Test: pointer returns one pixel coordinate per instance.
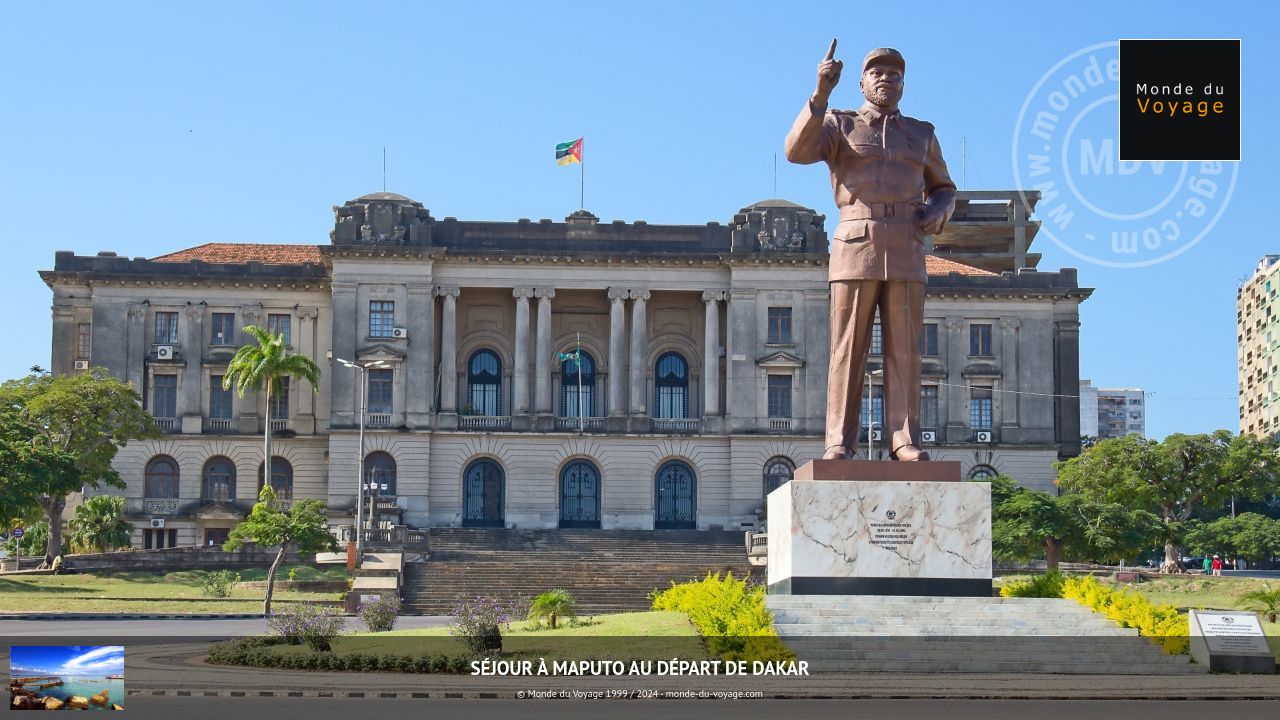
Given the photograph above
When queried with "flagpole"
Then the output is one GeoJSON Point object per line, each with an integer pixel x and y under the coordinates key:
{"type": "Point", "coordinates": [582, 183]}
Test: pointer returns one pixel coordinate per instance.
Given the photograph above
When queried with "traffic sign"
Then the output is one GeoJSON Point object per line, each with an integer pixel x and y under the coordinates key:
{"type": "Point", "coordinates": [18, 532]}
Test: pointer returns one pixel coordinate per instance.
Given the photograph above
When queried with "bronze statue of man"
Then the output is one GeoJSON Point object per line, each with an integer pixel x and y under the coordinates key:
{"type": "Point", "coordinates": [892, 187]}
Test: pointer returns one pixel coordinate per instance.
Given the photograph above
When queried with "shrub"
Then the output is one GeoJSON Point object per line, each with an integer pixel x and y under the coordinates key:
{"type": "Point", "coordinates": [1162, 623]}
{"type": "Point", "coordinates": [729, 614]}
{"type": "Point", "coordinates": [1048, 585]}
{"type": "Point", "coordinates": [1265, 601]}
{"type": "Point", "coordinates": [258, 652]}
{"type": "Point", "coordinates": [380, 615]}
{"type": "Point", "coordinates": [478, 623]}
{"type": "Point", "coordinates": [311, 624]}
{"type": "Point", "coordinates": [218, 584]}
{"type": "Point", "coordinates": [551, 605]}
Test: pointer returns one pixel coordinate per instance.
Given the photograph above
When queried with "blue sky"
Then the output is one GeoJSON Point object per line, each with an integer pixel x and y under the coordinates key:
{"type": "Point", "coordinates": [144, 128]}
{"type": "Point", "coordinates": [66, 660]}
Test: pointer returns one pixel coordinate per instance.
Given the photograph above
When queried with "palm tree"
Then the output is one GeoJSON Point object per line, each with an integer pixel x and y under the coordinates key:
{"type": "Point", "coordinates": [99, 525]}
{"type": "Point", "coordinates": [261, 366]}
{"type": "Point", "coordinates": [1265, 601]}
{"type": "Point", "coordinates": [553, 604]}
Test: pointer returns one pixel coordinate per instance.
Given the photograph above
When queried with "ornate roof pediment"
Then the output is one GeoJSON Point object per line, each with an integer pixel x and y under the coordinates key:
{"type": "Point", "coordinates": [380, 351]}
{"type": "Point", "coordinates": [216, 510]}
{"type": "Point", "coordinates": [780, 359]}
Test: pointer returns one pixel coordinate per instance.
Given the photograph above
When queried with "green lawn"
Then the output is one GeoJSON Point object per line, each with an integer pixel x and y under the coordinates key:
{"type": "Point", "coordinates": [639, 635]}
{"type": "Point", "coordinates": [141, 591]}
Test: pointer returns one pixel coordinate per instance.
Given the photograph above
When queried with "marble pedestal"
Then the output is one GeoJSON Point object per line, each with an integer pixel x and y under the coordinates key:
{"type": "Point", "coordinates": [922, 533]}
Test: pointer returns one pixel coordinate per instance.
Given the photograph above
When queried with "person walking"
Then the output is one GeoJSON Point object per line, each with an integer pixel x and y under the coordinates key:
{"type": "Point", "coordinates": [1208, 565]}
{"type": "Point", "coordinates": [1217, 565]}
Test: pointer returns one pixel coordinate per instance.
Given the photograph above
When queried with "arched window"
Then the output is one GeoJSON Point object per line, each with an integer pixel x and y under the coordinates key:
{"type": "Point", "coordinates": [571, 380]}
{"type": "Point", "coordinates": [482, 490]}
{"type": "Point", "coordinates": [672, 383]}
{"type": "Point", "coordinates": [380, 468]}
{"type": "Point", "coordinates": [484, 383]}
{"type": "Point", "coordinates": [281, 478]}
{"type": "Point", "coordinates": [219, 481]}
{"type": "Point", "coordinates": [982, 472]}
{"type": "Point", "coordinates": [675, 497]}
{"type": "Point", "coordinates": [580, 495]}
{"type": "Point", "coordinates": [778, 471]}
{"type": "Point", "coordinates": [161, 478]}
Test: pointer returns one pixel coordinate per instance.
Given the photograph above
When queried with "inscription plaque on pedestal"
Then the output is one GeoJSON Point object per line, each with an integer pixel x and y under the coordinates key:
{"type": "Point", "coordinates": [1230, 642]}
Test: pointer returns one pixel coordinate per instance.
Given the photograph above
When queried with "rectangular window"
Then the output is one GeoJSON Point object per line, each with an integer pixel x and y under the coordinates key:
{"type": "Point", "coordinates": [929, 340]}
{"type": "Point", "coordinates": [379, 391]}
{"type": "Point", "coordinates": [980, 408]}
{"type": "Point", "coordinates": [873, 407]}
{"type": "Point", "coordinates": [877, 339]}
{"type": "Point", "coordinates": [980, 339]}
{"type": "Point", "coordinates": [166, 328]}
{"type": "Point", "coordinates": [219, 399]}
{"type": "Point", "coordinates": [280, 399]}
{"type": "Point", "coordinates": [84, 334]}
{"type": "Point", "coordinates": [164, 396]}
{"type": "Point", "coordinates": [279, 324]}
{"type": "Point", "coordinates": [224, 329]}
{"type": "Point", "coordinates": [928, 406]}
{"type": "Point", "coordinates": [779, 326]}
{"type": "Point", "coordinates": [779, 396]}
{"type": "Point", "coordinates": [381, 317]}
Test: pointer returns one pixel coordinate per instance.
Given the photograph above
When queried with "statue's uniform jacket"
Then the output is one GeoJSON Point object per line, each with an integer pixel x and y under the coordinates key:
{"type": "Point", "coordinates": [882, 167]}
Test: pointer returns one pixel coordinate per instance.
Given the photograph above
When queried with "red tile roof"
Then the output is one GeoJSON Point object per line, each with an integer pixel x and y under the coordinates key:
{"type": "Point", "coordinates": [266, 253]}
{"type": "Point", "coordinates": [934, 265]}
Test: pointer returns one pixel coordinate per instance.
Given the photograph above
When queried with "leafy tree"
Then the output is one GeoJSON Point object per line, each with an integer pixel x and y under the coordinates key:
{"type": "Point", "coordinates": [261, 366]}
{"type": "Point", "coordinates": [99, 525]}
{"type": "Point", "coordinates": [1027, 523]}
{"type": "Point", "coordinates": [303, 526]}
{"type": "Point", "coordinates": [76, 424]}
{"type": "Point", "coordinates": [1254, 537]}
{"type": "Point", "coordinates": [1171, 478]}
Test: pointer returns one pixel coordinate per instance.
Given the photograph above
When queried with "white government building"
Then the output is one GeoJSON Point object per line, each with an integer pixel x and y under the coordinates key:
{"type": "Point", "coordinates": [701, 379]}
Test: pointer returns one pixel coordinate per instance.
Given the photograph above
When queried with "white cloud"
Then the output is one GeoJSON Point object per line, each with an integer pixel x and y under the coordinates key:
{"type": "Point", "coordinates": [108, 659]}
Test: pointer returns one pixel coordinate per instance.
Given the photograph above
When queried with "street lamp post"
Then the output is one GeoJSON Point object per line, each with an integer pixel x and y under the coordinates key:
{"type": "Point", "coordinates": [361, 371]}
{"type": "Point", "coordinates": [871, 415]}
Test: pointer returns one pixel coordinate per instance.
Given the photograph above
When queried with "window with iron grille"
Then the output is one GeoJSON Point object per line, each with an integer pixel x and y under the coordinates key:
{"type": "Point", "coordinates": [672, 385]}
{"type": "Point", "coordinates": [484, 383]}
{"type": "Point", "coordinates": [877, 339]}
{"type": "Point", "coordinates": [164, 396]}
{"type": "Point", "coordinates": [280, 399]}
{"type": "Point", "coordinates": [278, 324]}
{"type": "Point", "coordinates": [980, 408]}
{"type": "Point", "coordinates": [166, 328]}
{"type": "Point", "coordinates": [779, 325]}
{"type": "Point", "coordinates": [380, 391]}
{"type": "Point", "coordinates": [224, 329]}
{"type": "Point", "coordinates": [929, 339]}
{"type": "Point", "coordinates": [84, 336]}
{"type": "Point", "coordinates": [778, 471]}
{"type": "Point", "coordinates": [578, 375]}
{"type": "Point", "coordinates": [779, 396]}
{"type": "Point", "coordinates": [980, 339]}
{"type": "Point", "coordinates": [381, 318]}
{"type": "Point", "coordinates": [929, 406]}
{"type": "Point", "coordinates": [160, 479]}
{"type": "Point", "coordinates": [219, 399]}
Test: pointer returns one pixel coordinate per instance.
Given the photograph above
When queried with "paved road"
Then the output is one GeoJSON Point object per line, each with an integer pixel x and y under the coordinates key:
{"type": "Point", "coordinates": [317, 709]}
{"type": "Point", "coordinates": [210, 628]}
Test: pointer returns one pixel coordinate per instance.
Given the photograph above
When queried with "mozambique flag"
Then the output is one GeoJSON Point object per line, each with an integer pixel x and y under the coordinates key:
{"type": "Point", "coordinates": [569, 152]}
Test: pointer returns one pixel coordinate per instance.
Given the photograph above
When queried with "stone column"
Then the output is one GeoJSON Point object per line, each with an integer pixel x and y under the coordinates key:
{"type": "Point", "coordinates": [64, 339]}
{"type": "Point", "coordinates": [308, 344]}
{"type": "Point", "coordinates": [419, 366]}
{"type": "Point", "coordinates": [617, 341]}
{"type": "Point", "coordinates": [343, 388]}
{"type": "Point", "coordinates": [711, 353]}
{"type": "Point", "coordinates": [542, 357]}
{"type": "Point", "coordinates": [955, 351]}
{"type": "Point", "coordinates": [139, 346]}
{"type": "Point", "coordinates": [520, 372]}
{"type": "Point", "coordinates": [1008, 401]}
{"type": "Point", "coordinates": [639, 347]}
{"type": "Point", "coordinates": [192, 370]}
{"type": "Point", "coordinates": [449, 358]}
{"type": "Point", "coordinates": [248, 405]}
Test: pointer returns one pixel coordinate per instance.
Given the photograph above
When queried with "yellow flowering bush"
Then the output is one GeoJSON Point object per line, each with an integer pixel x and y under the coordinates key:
{"type": "Point", "coordinates": [729, 614]}
{"type": "Point", "coordinates": [1162, 623]}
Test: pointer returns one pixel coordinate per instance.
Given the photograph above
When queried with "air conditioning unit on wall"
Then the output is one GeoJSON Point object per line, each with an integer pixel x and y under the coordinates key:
{"type": "Point", "coordinates": [928, 436]}
{"type": "Point", "coordinates": [984, 436]}
{"type": "Point", "coordinates": [402, 333]}
{"type": "Point", "coordinates": [157, 522]}
{"type": "Point", "coordinates": [164, 352]}
{"type": "Point", "coordinates": [82, 364]}
{"type": "Point", "coordinates": [877, 434]}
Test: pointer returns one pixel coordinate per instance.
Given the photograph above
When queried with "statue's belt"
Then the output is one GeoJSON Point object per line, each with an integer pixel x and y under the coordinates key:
{"type": "Point", "coordinates": [875, 211]}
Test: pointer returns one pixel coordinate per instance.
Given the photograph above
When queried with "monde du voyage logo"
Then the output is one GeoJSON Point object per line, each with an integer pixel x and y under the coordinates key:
{"type": "Point", "coordinates": [1129, 148]}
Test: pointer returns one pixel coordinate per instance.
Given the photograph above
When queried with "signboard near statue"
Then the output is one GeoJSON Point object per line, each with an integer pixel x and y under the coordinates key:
{"type": "Point", "coordinates": [906, 526]}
